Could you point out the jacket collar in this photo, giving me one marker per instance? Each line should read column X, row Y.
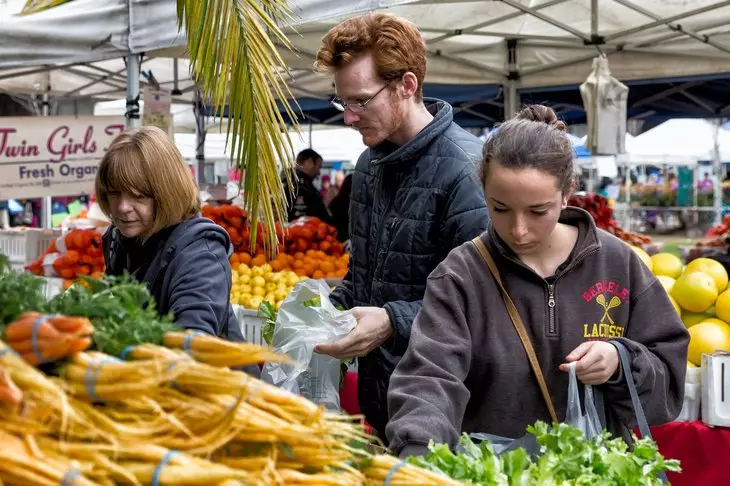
column 388, row 152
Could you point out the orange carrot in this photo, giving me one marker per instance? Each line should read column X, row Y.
column 78, row 345
column 22, row 329
column 78, row 326
column 9, row 391
column 49, row 348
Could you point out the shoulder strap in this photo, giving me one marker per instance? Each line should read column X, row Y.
column 519, row 326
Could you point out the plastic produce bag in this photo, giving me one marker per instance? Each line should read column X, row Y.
column 589, row 422
column 307, row 318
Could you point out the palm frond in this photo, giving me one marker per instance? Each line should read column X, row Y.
column 34, row 6
column 234, row 61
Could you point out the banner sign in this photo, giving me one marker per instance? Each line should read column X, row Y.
column 53, row 155
column 157, row 110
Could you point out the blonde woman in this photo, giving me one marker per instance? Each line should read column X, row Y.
column 157, row 235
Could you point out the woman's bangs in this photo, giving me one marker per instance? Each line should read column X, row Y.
column 126, row 173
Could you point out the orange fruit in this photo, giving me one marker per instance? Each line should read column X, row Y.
column 318, row 274
column 245, row 258
column 695, row 291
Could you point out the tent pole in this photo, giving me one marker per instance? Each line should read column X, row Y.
column 717, row 171
column 511, row 96
column 132, row 113
column 594, row 18
column 47, row 201
column 199, row 138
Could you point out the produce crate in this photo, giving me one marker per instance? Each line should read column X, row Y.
column 251, row 324
column 24, row 246
column 692, row 395
column 53, row 286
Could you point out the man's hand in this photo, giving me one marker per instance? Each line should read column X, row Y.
column 373, row 329
column 597, row 361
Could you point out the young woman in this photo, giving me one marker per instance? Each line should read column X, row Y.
column 577, row 290
column 146, row 189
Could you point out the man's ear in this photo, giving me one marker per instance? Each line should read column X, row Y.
column 410, row 85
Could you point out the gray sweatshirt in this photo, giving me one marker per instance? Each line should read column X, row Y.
column 466, row 370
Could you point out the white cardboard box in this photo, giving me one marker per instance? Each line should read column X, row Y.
column 716, row 389
column 692, row 396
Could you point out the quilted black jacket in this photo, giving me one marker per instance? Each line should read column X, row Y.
column 411, row 205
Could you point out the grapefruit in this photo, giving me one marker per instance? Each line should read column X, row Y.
column 706, row 338
column 667, row 282
column 643, row 255
column 695, row 291
column 722, row 306
column 693, row 318
column 711, row 267
column 666, row 264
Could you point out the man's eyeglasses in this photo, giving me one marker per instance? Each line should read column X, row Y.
column 341, row 105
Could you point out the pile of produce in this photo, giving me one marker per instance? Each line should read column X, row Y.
column 699, row 292
column 147, row 404
column 602, row 214
column 76, row 254
column 254, row 285
column 567, row 458
column 308, row 240
column 719, row 235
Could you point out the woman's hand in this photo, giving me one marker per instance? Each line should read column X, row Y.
column 596, row 362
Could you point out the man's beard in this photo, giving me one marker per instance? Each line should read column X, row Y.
column 390, row 127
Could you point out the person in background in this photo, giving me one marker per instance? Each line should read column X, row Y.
column 326, row 186
column 340, row 209
column 415, row 195
column 157, row 235
column 306, row 200
column 577, row 289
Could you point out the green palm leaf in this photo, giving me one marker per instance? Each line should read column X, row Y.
column 235, row 62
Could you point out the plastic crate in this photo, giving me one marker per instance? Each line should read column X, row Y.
column 692, row 396
column 251, row 324
column 24, row 246
column 53, row 286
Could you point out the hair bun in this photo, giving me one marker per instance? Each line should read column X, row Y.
column 543, row 114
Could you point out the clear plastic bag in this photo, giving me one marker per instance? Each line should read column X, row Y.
column 589, row 422
column 305, row 319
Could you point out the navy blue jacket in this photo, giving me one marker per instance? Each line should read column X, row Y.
column 410, row 206
column 186, row 270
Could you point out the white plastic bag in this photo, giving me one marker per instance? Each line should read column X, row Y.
column 589, row 421
column 299, row 328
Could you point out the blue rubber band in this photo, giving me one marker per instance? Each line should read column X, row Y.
column 125, row 352
column 92, row 374
column 158, row 470
column 189, row 341
column 69, row 479
column 34, row 338
column 392, row 472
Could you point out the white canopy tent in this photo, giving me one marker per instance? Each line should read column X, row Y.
column 516, row 43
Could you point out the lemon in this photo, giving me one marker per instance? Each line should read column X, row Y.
column 711, row 267
column 257, row 271
column 706, row 338
column 643, row 255
column 235, row 288
column 258, row 282
column 270, row 287
column 303, row 278
column 676, row 306
column 666, row 264
column 270, row 298
column 280, row 294
column 277, row 306
column 695, row 291
column 276, row 277
column 254, row 303
column 266, row 268
column 244, row 279
column 234, row 275
column 293, row 280
column 259, row 291
column 722, row 306
column 244, row 269
column 667, row 282
column 244, row 300
column 691, row 365
column 693, row 318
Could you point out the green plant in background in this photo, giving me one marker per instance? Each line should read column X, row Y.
column 235, row 64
